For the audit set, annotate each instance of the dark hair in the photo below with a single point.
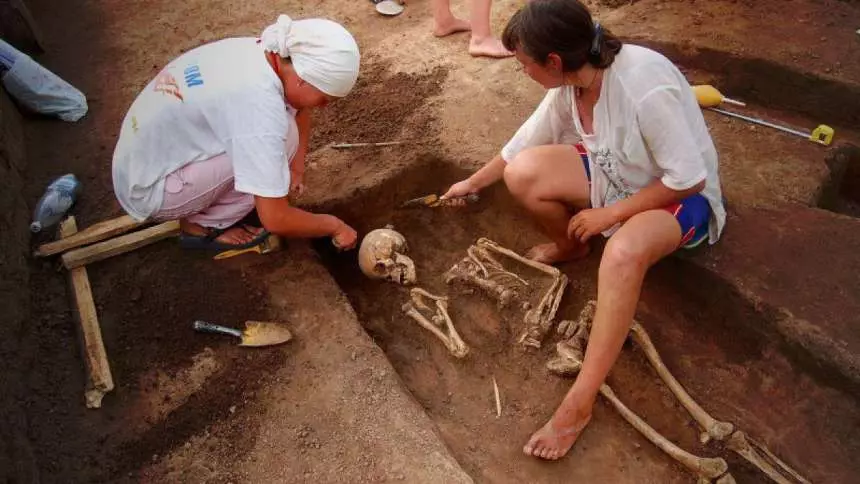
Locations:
(563, 27)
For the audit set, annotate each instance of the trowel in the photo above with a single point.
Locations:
(434, 201)
(256, 333)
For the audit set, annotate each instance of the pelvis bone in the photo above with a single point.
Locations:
(439, 323)
(382, 255)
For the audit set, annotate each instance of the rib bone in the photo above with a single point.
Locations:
(466, 271)
(714, 429)
(449, 337)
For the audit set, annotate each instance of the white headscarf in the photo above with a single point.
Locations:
(322, 52)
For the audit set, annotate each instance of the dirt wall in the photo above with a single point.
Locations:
(16, 459)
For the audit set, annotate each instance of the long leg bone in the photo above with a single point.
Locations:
(765, 460)
(569, 362)
(714, 429)
(566, 363)
(489, 244)
(449, 337)
(705, 467)
(756, 454)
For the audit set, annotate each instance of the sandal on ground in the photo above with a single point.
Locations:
(208, 242)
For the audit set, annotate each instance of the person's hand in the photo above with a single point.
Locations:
(297, 182)
(345, 237)
(460, 189)
(590, 222)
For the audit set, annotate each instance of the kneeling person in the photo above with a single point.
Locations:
(224, 128)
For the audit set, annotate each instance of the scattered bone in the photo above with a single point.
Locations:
(714, 429)
(382, 255)
(498, 399)
(765, 460)
(436, 323)
(569, 362)
(481, 269)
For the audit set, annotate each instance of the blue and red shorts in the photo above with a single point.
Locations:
(692, 213)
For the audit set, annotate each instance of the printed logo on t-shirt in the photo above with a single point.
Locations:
(608, 164)
(193, 77)
(166, 83)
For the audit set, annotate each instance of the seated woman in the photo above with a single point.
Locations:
(617, 147)
(224, 129)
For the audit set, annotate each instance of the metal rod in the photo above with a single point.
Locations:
(362, 145)
(734, 101)
(762, 123)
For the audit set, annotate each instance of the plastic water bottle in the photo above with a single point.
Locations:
(59, 197)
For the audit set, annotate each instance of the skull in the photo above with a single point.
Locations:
(381, 256)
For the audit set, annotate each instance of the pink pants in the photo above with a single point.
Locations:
(203, 193)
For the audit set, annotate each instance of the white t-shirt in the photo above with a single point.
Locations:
(647, 126)
(222, 97)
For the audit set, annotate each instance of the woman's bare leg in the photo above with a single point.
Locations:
(550, 182)
(482, 42)
(445, 23)
(631, 251)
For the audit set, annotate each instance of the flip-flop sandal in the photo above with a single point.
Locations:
(208, 242)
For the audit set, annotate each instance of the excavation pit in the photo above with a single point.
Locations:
(718, 351)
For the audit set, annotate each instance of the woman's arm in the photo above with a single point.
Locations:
(590, 222)
(655, 195)
(297, 165)
(280, 218)
(486, 176)
(550, 123)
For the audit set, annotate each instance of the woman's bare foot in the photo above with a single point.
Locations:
(551, 254)
(234, 236)
(488, 47)
(450, 26)
(552, 442)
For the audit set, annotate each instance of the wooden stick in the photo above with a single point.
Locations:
(100, 380)
(96, 233)
(119, 245)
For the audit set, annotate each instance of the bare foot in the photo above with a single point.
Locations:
(233, 236)
(551, 442)
(488, 47)
(550, 253)
(451, 26)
